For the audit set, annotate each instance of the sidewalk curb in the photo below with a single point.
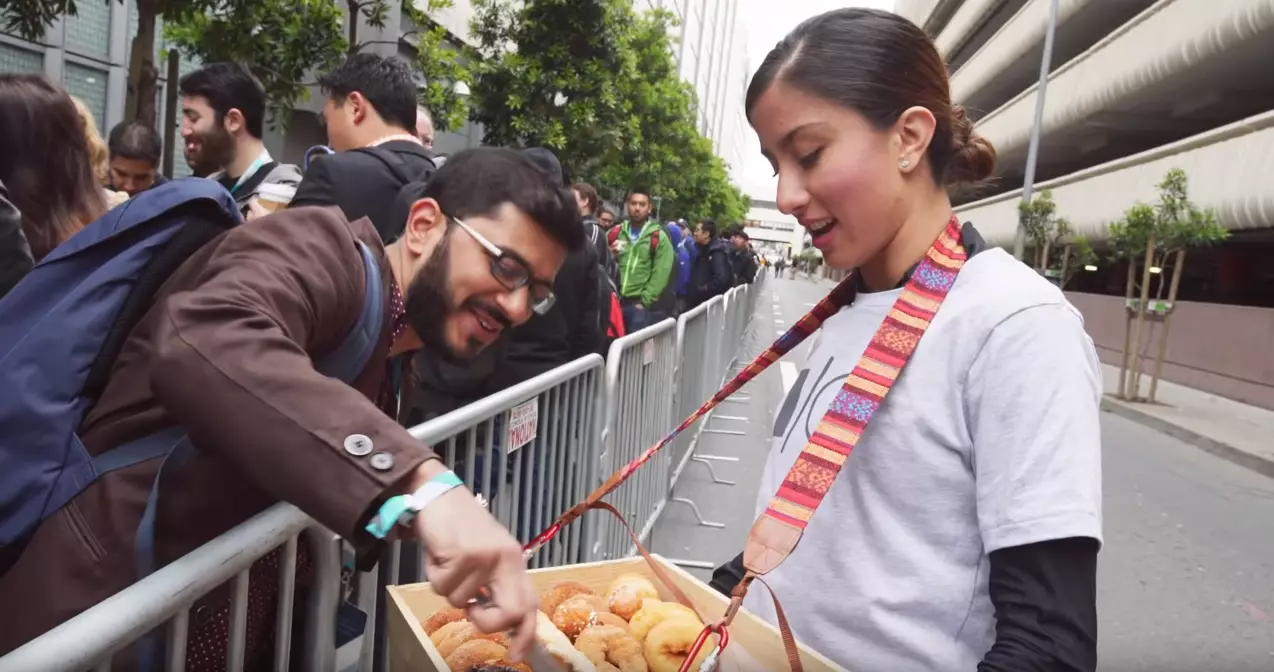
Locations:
(1234, 454)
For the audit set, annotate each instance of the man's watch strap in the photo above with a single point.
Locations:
(402, 509)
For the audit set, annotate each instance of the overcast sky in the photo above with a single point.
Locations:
(768, 21)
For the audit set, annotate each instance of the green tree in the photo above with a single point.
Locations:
(1159, 236)
(1043, 227)
(597, 83)
(441, 65)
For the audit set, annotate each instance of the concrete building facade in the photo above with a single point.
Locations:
(1136, 87)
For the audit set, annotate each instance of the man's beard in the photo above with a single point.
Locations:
(215, 152)
(429, 303)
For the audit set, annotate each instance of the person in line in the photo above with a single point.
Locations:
(586, 197)
(964, 528)
(679, 283)
(222, 123)
(710, 275)
(47, 164)
(227, 353)
(135, 152)
(370, 116)
(645, 262)
(742, 259)
(606, 217)
(425, 127)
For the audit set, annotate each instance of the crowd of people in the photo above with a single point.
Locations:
(327, 306)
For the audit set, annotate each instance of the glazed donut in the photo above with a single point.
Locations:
(654, 612)
(441, 618)
(464, 634)
(609, 644)
(577, 613)
(607, 618)
(626, 593)
(669, 643)
(561, 592)
(473, 653)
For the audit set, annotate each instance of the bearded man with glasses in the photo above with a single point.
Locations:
(227, 353)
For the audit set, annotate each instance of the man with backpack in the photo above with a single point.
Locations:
(222, 123)
(371, 119)
(645, 257)
(192, 372)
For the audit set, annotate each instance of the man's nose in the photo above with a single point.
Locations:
(516, 304)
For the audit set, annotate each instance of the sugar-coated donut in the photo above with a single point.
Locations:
(609, 644)
(502, 665)
(607, 618)
(561, 592)
(577, 613)
(465, 633)
(441, 618)
(473, 653)
(447, 630)
(654, 612)
(669, 643)
(626, 593)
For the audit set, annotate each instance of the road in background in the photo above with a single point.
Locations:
(1186, 576)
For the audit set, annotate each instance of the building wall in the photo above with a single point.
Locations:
(1233, 361)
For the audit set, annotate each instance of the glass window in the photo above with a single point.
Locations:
(17, 60)
(89, 85)
(89, 32)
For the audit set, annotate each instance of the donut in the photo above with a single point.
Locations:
(465, 633)
(561, 592)
(473, 653)
(559, 646)
(626, 593)
(577, 613)
(607, 618)
(447, 630)
(441, 618)
(654, 612)
(502, 665)
(669, 643)
(609, 644)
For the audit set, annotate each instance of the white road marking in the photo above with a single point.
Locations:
(788, 370)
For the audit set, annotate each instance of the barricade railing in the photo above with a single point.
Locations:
(640, 374)
(162, 602)
(533, 451)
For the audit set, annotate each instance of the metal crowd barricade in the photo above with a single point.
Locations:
(640, 372)
(164, 598)
(532, 452)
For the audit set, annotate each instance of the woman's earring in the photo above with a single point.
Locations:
(905, 164)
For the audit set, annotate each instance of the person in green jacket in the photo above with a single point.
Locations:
(645, 257)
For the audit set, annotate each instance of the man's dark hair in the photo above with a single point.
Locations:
(590, 195)
(644, 191)
(385, 82)
(477, 181)
(548, 163)
(740, 233)
(136, 141)
(229, 86)
(710, 226)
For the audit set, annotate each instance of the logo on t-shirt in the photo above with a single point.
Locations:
(799, 409)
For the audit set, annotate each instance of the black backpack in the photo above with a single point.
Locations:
(403, 201)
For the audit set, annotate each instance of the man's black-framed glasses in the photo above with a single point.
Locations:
(512, 272)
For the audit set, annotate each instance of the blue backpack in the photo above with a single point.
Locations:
(64, 325)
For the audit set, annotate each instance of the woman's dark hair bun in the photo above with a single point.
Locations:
(972, 156)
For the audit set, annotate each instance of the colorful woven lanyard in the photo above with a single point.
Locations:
(779, 528)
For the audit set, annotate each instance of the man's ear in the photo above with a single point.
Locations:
(233, 121)
(426, 223)
(358, 106)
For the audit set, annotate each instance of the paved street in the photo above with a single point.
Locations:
(1187, 572)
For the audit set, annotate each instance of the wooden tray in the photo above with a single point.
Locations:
(755, 646)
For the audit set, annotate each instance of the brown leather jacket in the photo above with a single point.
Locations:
(226, 353)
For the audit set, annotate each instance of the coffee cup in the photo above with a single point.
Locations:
(274, 197)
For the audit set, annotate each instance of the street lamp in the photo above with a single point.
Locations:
(1033, 150)
(658, 202)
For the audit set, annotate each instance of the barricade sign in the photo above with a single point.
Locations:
(524, 421)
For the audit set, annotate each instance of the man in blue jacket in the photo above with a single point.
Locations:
(681, 268)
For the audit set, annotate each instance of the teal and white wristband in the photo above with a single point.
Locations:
(402, 509)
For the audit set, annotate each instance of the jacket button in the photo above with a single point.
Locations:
(381, 461)
(358, 445)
